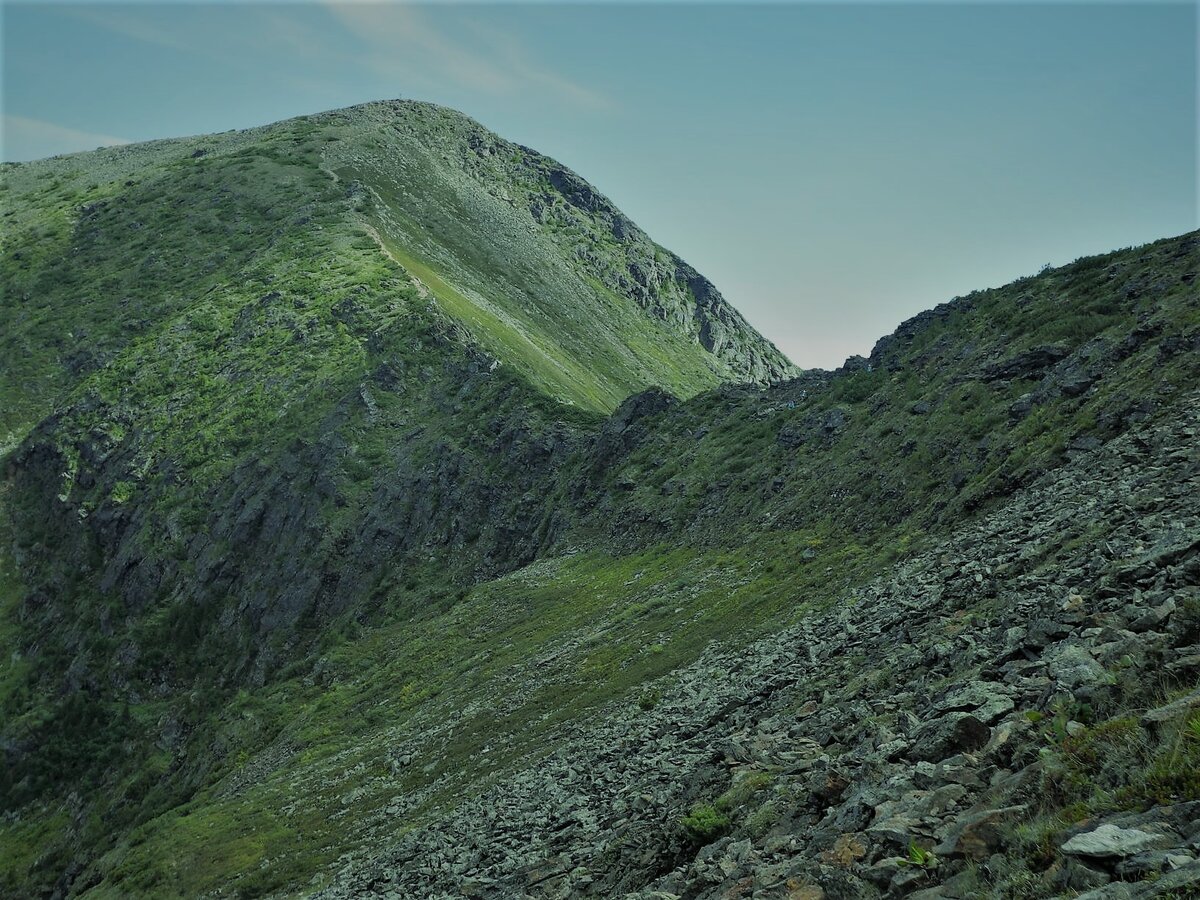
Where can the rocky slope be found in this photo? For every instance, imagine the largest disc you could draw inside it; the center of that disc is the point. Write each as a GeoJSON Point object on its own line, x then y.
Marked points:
{"type": "Point", "coordinates": [1012, 712]}
{"type": "Point", "coordinates": [369, 479]}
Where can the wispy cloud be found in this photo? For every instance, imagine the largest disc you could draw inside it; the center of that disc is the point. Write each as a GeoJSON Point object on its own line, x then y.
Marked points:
{"type": "Point", "coordinates": [133, 22]}
{"type": "Point", "coordinates": [399, 40]}
{"type": "Point", "coordinates": [421, 49]}
{"type": "Point", "coordinates": [515, 57]}
{"type": "Point", "coordinates": [26, 138]}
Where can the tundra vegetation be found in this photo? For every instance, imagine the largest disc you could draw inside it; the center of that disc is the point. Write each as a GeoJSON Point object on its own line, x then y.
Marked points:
{"type": "Point", "coordinates": [384, 513]}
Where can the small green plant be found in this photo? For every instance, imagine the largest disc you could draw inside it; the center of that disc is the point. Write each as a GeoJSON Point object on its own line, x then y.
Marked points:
{"type": "Point", "coordinates": [122, 491]}
{"type": "Point", "coordinates": [919, 857]}
{"type": "Point", "coordinates": [648, 700]}
{"type": "Point", "coordinates": [705, 823]}
{"type": "Point", "coordinates": [762, 820]}
{"type": "Point", "coordinates": [1065, 713]}
{"type": "Point", "coordinates": [745, 786]}
{"type": "Point", "coordinates": [1192, 728]}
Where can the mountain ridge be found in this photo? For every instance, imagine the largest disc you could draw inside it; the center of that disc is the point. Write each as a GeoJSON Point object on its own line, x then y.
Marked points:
{"type": "Point", "coordinates": [290, 566]}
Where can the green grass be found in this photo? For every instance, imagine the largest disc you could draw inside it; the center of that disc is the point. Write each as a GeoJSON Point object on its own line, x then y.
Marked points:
{"type": "Point", "coordinates": [533, 352]}
{"type": "Point", "coordinates": [603, 612]}
{"type": "Point", "coordinates": [569, 334]}
{"type": "Point", "coordinates": [1115, 765]}
{"type": "Point", "coordinates": [704, 823]}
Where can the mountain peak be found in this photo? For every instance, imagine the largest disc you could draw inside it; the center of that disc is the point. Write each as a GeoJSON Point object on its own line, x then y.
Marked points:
{"type": "Point", "coordinates": [540, 269]}
{"type": "Point", "coordinates": [570, 257]}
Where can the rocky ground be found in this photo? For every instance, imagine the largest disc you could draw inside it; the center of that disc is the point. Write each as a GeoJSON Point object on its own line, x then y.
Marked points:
{"type": "Point", "coordinates": [924, 737]}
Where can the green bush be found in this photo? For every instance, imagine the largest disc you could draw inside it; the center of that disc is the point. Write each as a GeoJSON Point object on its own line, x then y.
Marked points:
{"type": "Point", "coordinates": [705, 823]}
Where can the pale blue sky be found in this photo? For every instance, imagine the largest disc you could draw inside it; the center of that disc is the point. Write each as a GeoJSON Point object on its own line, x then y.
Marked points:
{"type": "Point", "coordinates": [834, 168]}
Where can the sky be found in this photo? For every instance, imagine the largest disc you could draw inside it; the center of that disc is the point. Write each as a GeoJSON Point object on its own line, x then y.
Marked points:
{"type": "Point", "coordinates": [833, 168]}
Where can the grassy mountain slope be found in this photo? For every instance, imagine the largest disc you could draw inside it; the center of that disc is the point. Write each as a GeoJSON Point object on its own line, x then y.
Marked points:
{"type": "Point", "coordinates": [541, 269]}
{"type": "Point", "coordinates": [537, 263]}
{"type": "Point", "coordinates": [291, 566]}
{"type": "Point", "coordinates": [1010, 710]}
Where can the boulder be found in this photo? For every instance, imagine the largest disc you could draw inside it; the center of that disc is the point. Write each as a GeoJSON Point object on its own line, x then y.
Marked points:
{"type": "Point", "coordinates": [1172, 710]}
{"type": "Point", "coordinates": [1029, 364]}
{"type": "Point", "coordinates": [977, 835]}
{"type": "Point", "coordinates": [1153, 862]}
{"type": "Point", "coordinates": [954, 732]}
{"type": "Point", "coordinates": [1110, 842]}
{"type": "Point", "coordinates": [1072, 666]}
{"type": "Point", "coordinates": [988, 701]}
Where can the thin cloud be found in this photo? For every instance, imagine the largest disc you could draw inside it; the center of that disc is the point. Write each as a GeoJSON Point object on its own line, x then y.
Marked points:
{"type": "Point", "coordinates": [515, 57]}
{"type": "Point", "coordinates": [392, 36]}
{"type": "Point", "coordinates": [399, 39]}
{"type": "Point", "coordinates": [133, 25]}
{"type": "Point", "coordinates": [395, 41]}
{"type": "Point", "coordinates": [26, 138]}
{"type": "Point", "coordinates": [293, 35]}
